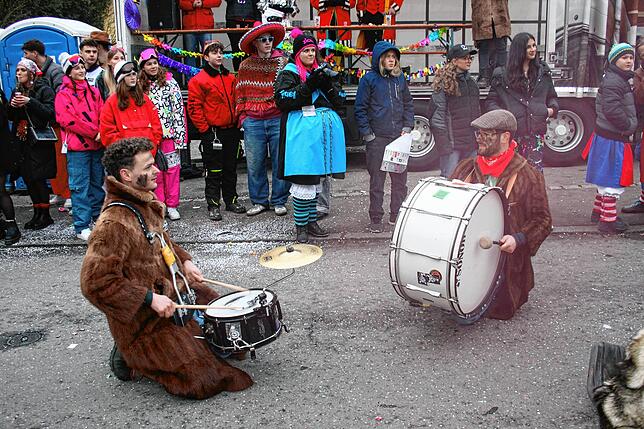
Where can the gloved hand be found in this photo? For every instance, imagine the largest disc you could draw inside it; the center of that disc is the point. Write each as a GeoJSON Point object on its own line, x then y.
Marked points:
{"type": "Point", "coordinates": [326, 84]}
{"type": "Point", "coordinates": [315, 79]}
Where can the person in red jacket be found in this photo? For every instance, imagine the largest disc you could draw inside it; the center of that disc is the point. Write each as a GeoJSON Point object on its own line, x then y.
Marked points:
{"type": "Point", "coordinates": [335, 12]}
{"type": "Point", "coordinates": [211, 106]}
{"type": "Point", "coordinates": [197, 15]}
{"type": "Point", "coordinates": [374, 12]}
{"type": "Point", "coordinates": [129, 112]}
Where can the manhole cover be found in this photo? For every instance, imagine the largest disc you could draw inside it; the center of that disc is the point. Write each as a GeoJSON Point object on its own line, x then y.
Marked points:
{"type": "Point", "coordinates": [19, 339]}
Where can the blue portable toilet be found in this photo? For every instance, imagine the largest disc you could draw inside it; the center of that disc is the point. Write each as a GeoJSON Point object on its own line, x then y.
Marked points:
{"type": "Point", "coordinates": [58, 34]}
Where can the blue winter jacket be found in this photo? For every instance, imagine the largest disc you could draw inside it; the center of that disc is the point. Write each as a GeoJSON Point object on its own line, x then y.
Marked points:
{"type": "Point", "coordinates": [383, 105]}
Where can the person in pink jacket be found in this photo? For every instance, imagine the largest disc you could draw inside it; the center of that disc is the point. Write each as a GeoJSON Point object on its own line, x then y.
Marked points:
{"type": "Point", "coordinates": [78, 107]}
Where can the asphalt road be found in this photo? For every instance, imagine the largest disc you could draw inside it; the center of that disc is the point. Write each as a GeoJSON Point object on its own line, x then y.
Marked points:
{"type": "Point", "coordinates": [357, 355]}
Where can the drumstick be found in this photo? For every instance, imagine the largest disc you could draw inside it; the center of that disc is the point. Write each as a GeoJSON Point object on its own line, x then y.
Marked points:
{"type": "Point", "coordinates": [206, 307]}
{"type": "Point", "coordinates": [226, 285]}
{"type": "Point", "coordinates": [487, 242]}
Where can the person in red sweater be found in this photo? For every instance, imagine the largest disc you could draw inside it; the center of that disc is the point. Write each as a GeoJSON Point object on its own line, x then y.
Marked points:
{"type": "Point", "coordinates": [197, 15]}
{"type": "Point", "coordinates": [129, 112]}
{"type": "Point", "coordinates": [211, 106]}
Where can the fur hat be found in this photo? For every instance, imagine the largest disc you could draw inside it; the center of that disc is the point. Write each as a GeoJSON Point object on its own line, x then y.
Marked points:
{"type": "Point", "coordinates": [302, 41]}
{"type": "Point", "coordinates": [68, 62]}
{"type": "Point", "coordinates": [273, 28]}
{"type": "Point", "coordinates": [619, 50]}
{"type": "Point", "coordinates": [122, 68]}
{"type": "Point", "coordinates": [498, 119]}
{"type": "Point", "coordinates": [29, 65]}
{"type": "Point", "coordinates": [146, 55]}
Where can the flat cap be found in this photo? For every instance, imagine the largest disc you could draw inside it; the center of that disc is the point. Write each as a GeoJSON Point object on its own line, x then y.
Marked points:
{"type": "Point", "coordinates": [496, 120]}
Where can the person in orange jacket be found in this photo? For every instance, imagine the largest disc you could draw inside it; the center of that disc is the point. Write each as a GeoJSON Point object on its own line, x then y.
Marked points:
{"type": "Point", "coordinates": [197, 15]}
{"type": "Point", "coordinates": [335, 12]}
{"type": "Point", "coordinates": [374, 12]}
{"type": "Point", "coordinates": [129, 112]}
{"type": "Point", "coordinates": [211, 106]}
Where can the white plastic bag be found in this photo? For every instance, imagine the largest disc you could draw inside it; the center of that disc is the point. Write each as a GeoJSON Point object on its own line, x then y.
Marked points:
{"type": "Point", "coordinates": [397, 154]}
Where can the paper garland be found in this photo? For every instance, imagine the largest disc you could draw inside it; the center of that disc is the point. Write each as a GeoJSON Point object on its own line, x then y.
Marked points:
{"type": "Point", "coordinates": [159, 44]}
{"type": "Point", "coordinates": [180, 67]}
{"type": "Point", "coordinates": [132, 15]}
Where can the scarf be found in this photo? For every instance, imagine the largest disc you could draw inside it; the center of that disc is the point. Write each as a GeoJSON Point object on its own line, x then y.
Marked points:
{"type": "Point", "coordinates": [495, 165]}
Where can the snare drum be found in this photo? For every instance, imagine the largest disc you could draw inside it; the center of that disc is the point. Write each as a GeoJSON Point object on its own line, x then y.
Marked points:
{"type": "Point", "coordinates": [435, 256]}
{"type": "Point", "coordinates": [254, 320]}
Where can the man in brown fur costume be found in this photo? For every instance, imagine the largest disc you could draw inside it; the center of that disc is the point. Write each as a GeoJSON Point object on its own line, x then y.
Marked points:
{"type": "Point", "coordinates": [528, 221]}
{"type": "Point", "coordinates": [125, 277]}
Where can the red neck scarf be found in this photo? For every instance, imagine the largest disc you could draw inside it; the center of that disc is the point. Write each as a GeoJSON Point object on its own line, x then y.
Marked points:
{"type": "Point", "coordinates": [495, 165]}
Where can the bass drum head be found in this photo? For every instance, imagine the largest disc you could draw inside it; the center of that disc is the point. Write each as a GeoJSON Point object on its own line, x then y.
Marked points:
{"type": "Point", "coordinates": [480, 268]}
{"type": "Point", "coordinates": [242, 303]}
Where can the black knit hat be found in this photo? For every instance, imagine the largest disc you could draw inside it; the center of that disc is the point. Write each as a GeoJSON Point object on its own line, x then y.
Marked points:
{"type": "Point", "coordinates": [303, 41]}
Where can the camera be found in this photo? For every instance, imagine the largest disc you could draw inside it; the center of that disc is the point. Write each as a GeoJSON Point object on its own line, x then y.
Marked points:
{"type": "Point", "coordinates": [327, 71]}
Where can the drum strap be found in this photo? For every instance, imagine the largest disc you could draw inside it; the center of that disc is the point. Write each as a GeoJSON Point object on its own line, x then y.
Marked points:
{"type": "Point", "coordinates": [137, 213]}
{"type": "Point", "coordinates": [508, 188]}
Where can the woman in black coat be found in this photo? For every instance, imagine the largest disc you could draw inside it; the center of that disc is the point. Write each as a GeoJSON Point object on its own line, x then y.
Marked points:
{"type": "Point", "coordinates": [9, 164]}
{"type": "Point", "coordinates": [32, 103]}
{"type": "Point", "coordinates": [525, 88]}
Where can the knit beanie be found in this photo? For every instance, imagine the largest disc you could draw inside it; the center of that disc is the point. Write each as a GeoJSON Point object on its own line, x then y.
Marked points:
{"type": "Point", "coordinates": [29, 65]}
{"type": "Point", "coordinates": [122, 68]}
{"type": "Point", "coordinates": [619, 50]}
{"type": "Point", "coordinates": [69, 61]}
{"type": "Point", "coordinates": [302, 41]}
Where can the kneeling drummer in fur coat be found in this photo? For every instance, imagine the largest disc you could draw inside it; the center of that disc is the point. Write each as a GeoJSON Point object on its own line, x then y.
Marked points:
{"type": "Point", "coordinates": [126, 278]}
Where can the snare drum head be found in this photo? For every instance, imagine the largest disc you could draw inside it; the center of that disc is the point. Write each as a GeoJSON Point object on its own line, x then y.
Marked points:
{"type": "Point", "coordinates": [241, 303]}
{"type": "Point", "coordinates": [479, 269]}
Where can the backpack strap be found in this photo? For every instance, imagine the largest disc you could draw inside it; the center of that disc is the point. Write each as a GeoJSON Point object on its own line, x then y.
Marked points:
{"type": "Point", "coordinates": [144, 226]}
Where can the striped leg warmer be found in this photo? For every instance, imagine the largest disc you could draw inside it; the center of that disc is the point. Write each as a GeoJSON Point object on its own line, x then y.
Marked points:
{"type": "Point", "coordinates": [609, 208]}
{"type": "Point", "coordinates": [597, 205]}
{"type": "Point", "coordinates": [301, 209]}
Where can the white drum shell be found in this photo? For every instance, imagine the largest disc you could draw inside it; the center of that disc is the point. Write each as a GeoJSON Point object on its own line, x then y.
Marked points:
{"type": "Point", "coordinates": [435, 256]}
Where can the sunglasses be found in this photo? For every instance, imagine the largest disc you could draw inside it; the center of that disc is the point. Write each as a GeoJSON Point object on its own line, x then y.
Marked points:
{"type": "Point", "coordinates": [266, 39]}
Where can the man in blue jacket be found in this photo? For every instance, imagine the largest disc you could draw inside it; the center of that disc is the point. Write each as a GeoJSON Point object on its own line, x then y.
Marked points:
{"type": "Point", "coordinates": [384, 111]}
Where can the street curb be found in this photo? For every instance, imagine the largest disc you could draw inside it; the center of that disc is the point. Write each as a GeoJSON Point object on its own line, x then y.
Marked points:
{"type": "Point", "coordinates": [334, 237]}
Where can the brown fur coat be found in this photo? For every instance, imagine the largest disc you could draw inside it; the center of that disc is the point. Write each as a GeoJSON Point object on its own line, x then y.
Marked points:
{"type": "Point", "coordinates": [119, 268]}
{"type": "Point", "coordinates": [529, 213]}
{"type": "Point", "coordinates": [488, 15]}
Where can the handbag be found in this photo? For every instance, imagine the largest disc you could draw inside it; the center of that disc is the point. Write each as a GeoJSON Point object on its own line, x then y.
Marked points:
{"type": "Point", "coordinates": [41, 135]}
{"type": "Point", "coordinates": [160, 160]}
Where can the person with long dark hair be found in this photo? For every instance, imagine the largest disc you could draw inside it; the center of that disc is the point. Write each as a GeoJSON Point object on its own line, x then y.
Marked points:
{"type": "Point", "coordinates": [524, 87]}
{"type": "Point", "coordinates": [129, 112]}
{"type": "Point", "coordinates": [9, 164]}
{"type": "Point", "coordinates": [32, 105]}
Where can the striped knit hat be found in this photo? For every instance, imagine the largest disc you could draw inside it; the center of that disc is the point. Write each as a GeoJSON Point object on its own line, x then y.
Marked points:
{"type": "Point", "coordinates": [618, 50]}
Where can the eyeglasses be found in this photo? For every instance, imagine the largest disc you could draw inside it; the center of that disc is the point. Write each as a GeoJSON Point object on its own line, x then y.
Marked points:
{"type": "Point", "coordinates": [266, 39]}
{"type": "Point", "coordinates": [486, 135]}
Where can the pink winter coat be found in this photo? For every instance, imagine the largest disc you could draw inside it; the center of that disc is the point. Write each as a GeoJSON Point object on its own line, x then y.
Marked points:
{"type": "Point", "coordinates": [78, 106]}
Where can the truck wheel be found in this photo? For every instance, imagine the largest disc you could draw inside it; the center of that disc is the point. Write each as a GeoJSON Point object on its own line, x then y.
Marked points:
{"type": "Point", "coordinates": [423, 151]}
{"type": "Point", "coordinates": [568, 133]}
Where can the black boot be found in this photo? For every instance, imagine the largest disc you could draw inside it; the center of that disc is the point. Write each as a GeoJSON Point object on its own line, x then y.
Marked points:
{"type": "Point", "coordinates": [3, 229]}
{"type": "Point", "coordinates": [44, 220]}
{"type": "Point", "coordinates": [30, 223]}
{"type": "Point", "coordinates": [302, 234]}
{"type": "Point", "coordinates": [315, 230]}
{"type": "Point", "coordinates": [119, 366]}
{"type": "Point", "coordinates": [13, 233]}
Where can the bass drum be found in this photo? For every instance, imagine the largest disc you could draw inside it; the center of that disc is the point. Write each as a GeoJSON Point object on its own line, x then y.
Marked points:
{"type": "Point", "coordinates": [436, 257]}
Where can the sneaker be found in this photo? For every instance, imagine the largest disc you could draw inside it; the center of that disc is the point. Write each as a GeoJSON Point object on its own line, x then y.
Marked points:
{"type": "Point", "coordinates": [235, 208]}
{"type": "Point", "coordinates": [375, 227]}
{"type": "Point", "coordinates": [56, 199]}
{"type": "Point", "coordinates": [280, 210]}
{"type": "Point", "coordinates": [173, 213]}
{"type": "Point", "coordinates": [616, 227]}
{"type": "Point", "coordinates": [636, 207]}
{"type": "Point", "coordinates": [68, 204]}
{"type": "Point", "coordinates": [256, 209]}
{"type": "Point", "coordinates": [594, 217]}
{"type": "Point", "coordinates": [214, 213]}
{"type": "Point", "coordinates": [84, 234]}
{"type": "Point", "coordinates": [392, 220]}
